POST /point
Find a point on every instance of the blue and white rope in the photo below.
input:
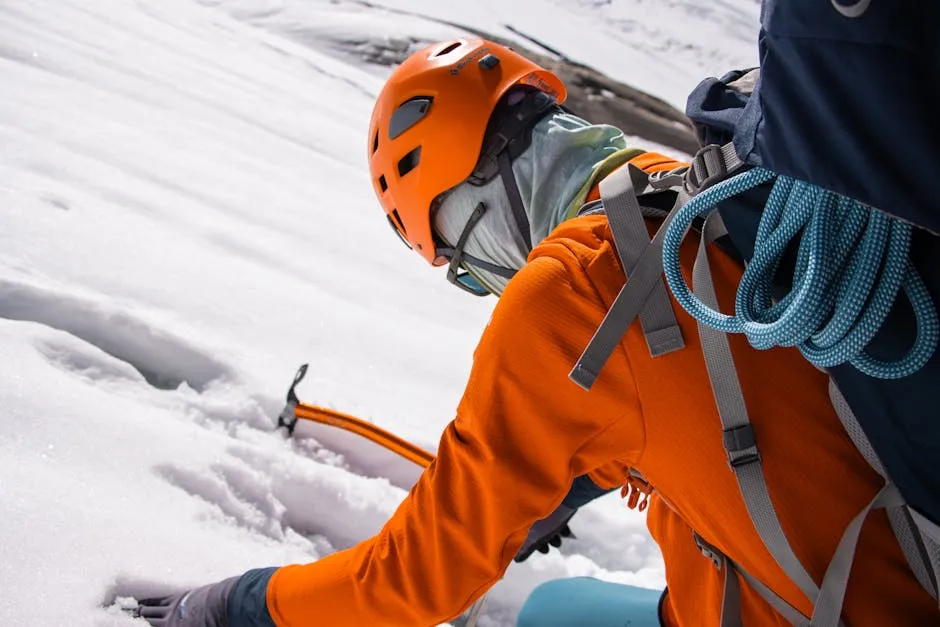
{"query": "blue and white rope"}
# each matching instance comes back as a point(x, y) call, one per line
point(851, 263)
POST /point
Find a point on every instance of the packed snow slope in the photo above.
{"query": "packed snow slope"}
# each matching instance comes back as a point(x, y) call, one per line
point(185, 217)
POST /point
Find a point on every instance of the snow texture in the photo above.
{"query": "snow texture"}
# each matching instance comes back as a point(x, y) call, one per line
point(185, 217)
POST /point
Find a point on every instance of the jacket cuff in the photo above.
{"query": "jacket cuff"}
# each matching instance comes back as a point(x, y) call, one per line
point(582, 492)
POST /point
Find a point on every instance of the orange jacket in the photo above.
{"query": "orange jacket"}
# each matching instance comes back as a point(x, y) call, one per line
point(523, 432)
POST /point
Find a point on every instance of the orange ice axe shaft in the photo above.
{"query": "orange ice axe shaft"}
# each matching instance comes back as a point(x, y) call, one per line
point(295, 410)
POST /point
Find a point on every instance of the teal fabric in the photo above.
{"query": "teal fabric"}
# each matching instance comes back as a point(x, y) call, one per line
point(583, 601)
point(563, 154)
point(247, 603)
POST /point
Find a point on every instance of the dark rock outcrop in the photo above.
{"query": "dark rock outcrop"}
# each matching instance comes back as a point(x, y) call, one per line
point(591, 94)
point(598, 98)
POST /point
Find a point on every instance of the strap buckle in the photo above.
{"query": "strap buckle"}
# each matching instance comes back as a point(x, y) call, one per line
point(710, 165)
point(741, 445)
point(714, 555)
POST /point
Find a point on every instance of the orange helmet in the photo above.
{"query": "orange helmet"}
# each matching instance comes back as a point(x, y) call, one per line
point(428, 126)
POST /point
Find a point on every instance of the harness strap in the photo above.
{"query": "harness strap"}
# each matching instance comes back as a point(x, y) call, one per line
point(730, 597)
point(921, 551)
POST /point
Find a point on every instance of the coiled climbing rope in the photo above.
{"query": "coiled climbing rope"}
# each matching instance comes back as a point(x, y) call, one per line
point(851, 263)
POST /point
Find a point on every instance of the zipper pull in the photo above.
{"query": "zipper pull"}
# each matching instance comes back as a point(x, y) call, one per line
point(637, 492)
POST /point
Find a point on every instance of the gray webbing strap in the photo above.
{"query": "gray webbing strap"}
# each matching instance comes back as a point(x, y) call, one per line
point(913, 543)
point(745, 461)
point(793, 615)
point(731, 592)
point(740, 443)
point(730, 597)
point(930, 533)
point(828, 608)
point(851, 426)
point(646, 274)
point(618, 192)
point(475, 612)
point(931, 530)
point(923, 555)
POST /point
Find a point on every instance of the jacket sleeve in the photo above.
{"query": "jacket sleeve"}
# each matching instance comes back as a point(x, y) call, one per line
point(583, 491)
point(523, 432)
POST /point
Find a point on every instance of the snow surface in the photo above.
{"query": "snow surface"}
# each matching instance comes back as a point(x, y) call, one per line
point(185, 217)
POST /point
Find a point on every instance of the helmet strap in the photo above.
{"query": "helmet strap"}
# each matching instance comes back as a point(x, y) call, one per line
point(515, 197)
point(457, 256)
point(510, 138)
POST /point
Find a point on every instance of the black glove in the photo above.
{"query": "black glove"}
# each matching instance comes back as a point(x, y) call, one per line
point(547, 532)
point(201, 607)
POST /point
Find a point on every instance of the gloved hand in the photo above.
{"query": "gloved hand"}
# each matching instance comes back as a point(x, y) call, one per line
point(547, 532)
point(201, 607)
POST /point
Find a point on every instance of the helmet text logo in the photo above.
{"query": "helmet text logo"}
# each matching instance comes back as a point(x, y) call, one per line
point(470, 58)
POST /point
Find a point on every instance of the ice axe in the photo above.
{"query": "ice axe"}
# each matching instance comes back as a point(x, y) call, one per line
point(295, 410)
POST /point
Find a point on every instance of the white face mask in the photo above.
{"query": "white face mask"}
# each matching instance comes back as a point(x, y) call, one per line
point(550, 173)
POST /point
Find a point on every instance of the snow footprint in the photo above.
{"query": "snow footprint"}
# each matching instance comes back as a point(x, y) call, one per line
point(164, 360)
point(277, 491)
point(239, 492)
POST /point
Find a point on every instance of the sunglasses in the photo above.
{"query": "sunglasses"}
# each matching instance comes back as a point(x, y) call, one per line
point(468, 283)
point(456, 273)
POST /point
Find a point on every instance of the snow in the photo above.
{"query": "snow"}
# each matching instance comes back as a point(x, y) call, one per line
point(185, 217)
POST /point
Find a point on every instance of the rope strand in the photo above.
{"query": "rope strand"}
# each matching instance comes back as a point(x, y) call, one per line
point(851, 264)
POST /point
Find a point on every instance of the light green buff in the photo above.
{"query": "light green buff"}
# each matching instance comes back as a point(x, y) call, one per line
point(565, 160)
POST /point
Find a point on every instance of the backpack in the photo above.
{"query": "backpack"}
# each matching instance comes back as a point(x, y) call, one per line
point(841, 84)
point(844, 83)
point(627, 197)
point(899, 416)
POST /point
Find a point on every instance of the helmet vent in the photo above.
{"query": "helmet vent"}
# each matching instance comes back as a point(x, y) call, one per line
point(382, 183)
point(375, 142)
point(447, 49)
point(407, 115)
point(409, 162)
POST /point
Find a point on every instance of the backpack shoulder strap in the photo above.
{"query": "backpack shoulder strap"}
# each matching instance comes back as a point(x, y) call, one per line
point(744, 458)
point(620, 193)
point(738, 435)
point(644, 294)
